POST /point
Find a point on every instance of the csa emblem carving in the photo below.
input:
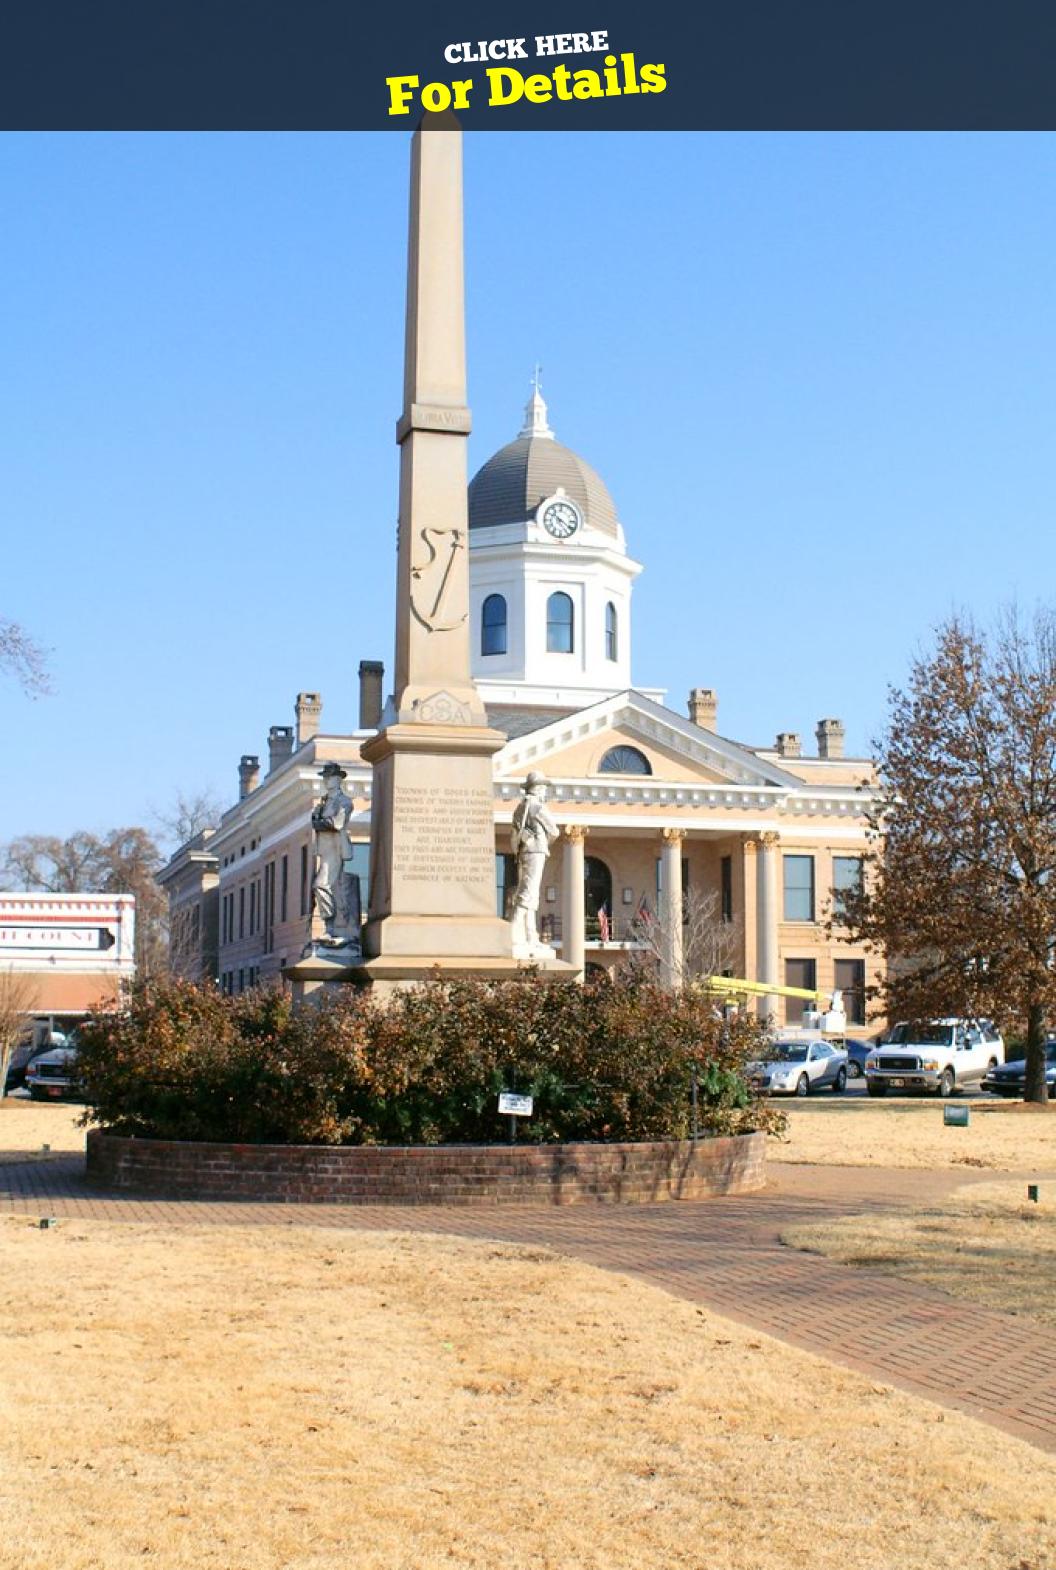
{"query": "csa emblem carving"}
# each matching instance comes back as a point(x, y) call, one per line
point(442, 709)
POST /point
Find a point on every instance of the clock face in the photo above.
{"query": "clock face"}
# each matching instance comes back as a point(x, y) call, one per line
point(561, 519)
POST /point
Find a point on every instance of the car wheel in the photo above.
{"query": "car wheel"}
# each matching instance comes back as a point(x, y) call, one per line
point(840, 1082)
point(875, 1090)
point(947, 1083)
point(803, 1086)
point(854, 1070)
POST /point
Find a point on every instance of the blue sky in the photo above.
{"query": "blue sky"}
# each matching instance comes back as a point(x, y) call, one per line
point(816, 371)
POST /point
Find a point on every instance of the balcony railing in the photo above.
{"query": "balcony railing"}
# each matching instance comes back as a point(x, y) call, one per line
point(620, 929)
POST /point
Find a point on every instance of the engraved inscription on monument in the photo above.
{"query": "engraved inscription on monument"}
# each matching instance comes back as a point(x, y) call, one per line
point(440, 832)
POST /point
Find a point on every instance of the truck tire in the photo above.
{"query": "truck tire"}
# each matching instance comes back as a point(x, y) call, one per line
point(875, 1089)
point(947, 1084)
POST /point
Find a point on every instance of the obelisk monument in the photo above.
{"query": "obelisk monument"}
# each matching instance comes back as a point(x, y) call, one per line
point(432, 850)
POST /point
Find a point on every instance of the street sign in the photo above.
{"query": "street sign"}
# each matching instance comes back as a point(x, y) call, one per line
point(515, 1106)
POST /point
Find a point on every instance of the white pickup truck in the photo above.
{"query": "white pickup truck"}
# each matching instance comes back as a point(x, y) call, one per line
point(940, 1057)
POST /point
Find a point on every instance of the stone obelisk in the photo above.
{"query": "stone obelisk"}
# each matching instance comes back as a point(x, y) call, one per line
point(432, 872)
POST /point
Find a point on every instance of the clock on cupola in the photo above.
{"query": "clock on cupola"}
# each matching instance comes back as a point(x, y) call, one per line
point(560, 516)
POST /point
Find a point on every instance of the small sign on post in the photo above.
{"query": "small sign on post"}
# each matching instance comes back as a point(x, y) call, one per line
point(955, 1117)
point(514, 1107)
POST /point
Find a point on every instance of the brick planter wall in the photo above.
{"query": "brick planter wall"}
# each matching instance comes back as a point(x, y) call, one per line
point(633, 1174)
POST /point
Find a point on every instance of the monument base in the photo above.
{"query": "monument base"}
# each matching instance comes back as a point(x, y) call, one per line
point(387, 973)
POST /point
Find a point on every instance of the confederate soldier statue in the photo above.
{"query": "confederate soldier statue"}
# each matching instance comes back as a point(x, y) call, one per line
point(534, 831)
point(335, 891)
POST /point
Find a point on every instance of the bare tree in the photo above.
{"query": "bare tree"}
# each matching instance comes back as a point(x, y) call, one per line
point(960, 892)
point(25, 659)
point(124, 861)
point(710, 944)
point(187, 815)
point(18, 996)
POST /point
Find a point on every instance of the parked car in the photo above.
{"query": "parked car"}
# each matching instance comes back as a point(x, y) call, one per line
point(941, 1056)
point(25, 1052)
point(52, 1076)
point(796, 1067)
point(857, 1051)
point(1010, 1079)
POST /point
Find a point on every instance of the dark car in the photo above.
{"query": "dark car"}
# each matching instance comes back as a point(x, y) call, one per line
point(24, 1054)
point(857, 1052)
point(1009, 1079)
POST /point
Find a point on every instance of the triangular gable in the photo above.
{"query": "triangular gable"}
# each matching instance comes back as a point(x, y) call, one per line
point(632, 717)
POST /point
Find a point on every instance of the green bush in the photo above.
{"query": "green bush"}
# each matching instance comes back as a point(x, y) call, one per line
point(603, 1062)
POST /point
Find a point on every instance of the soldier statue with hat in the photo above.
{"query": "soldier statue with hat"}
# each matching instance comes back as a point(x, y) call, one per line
point(534, 831)
point(335, 890)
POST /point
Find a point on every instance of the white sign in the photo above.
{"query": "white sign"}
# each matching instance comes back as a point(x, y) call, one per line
point(56, 938)
point(515, 1106)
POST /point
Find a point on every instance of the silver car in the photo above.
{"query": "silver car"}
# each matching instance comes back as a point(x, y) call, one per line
point(795, 1067)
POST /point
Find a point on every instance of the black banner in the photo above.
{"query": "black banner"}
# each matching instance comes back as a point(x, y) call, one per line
point(577, 65)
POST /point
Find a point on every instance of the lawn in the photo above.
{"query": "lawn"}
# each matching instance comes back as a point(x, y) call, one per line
point(250, 1398)
point(830, 1130)
point(988, 1242)
point(27, 1126)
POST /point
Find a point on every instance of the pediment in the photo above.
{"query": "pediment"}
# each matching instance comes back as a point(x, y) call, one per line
point(571, 748)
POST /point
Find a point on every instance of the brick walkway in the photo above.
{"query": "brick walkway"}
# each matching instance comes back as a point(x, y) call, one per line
point(724, 1253)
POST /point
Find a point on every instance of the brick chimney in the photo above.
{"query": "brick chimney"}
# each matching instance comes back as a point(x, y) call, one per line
point(788, 745)
point(307, 709)
point(704, 707)
point(248, 775)
point(371, 676)
point(280, 745)
point(830, 738)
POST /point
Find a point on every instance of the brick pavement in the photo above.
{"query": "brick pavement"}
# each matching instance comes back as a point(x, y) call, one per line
point(724, 1253)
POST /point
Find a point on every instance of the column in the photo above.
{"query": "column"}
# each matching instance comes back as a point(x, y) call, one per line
point(766, 919)
point(671, 914)
point(573, 923)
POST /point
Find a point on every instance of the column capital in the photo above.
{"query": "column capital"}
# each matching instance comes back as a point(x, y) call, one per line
point(750, 845)
point(576, 832)
point(769, 839)
point(673, 836)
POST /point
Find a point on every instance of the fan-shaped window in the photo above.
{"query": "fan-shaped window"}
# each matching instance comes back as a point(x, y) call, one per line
point(493, 625)
point(612, 647)
point(625, 760)
point(560, 628)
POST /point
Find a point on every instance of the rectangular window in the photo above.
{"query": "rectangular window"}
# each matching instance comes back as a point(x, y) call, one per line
point(727, 888)
point(849, 978)
point(304, 880)
point(242, 913)
point(253, 907)
point(241, 981)
point(798, 973)
point(799, 888)
point(284, 888)
point(505, 882)
point(846, 879)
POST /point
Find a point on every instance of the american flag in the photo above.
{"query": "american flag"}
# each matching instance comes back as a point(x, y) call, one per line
point(603, 923)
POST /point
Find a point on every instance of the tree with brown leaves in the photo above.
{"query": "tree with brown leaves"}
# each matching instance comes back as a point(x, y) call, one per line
point(18, 996)
point(960, 891)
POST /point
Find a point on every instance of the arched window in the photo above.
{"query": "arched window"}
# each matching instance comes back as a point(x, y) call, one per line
point(625, 760)
point(493, 625)
point(560, 629)
point(612, 646)
point(597, 898)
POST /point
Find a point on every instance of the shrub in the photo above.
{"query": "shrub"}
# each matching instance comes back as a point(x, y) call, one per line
point(603, 1062)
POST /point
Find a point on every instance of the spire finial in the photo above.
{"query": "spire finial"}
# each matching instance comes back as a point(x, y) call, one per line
point(535, 421)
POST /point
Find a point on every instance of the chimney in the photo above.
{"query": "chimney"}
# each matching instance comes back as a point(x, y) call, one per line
point(788, 744)
point(704, 707)
point(371, 676)
point(830, 738)
point(280, 745)
point(248, 775)
point(308, 708)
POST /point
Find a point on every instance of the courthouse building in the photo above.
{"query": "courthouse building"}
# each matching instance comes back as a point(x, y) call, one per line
point(656, 807)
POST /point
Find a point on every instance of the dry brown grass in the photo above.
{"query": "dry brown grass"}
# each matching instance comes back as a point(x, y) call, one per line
point(27, 1126)
point(988, 1243)
point(257, 1398)
point(909, 1132)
